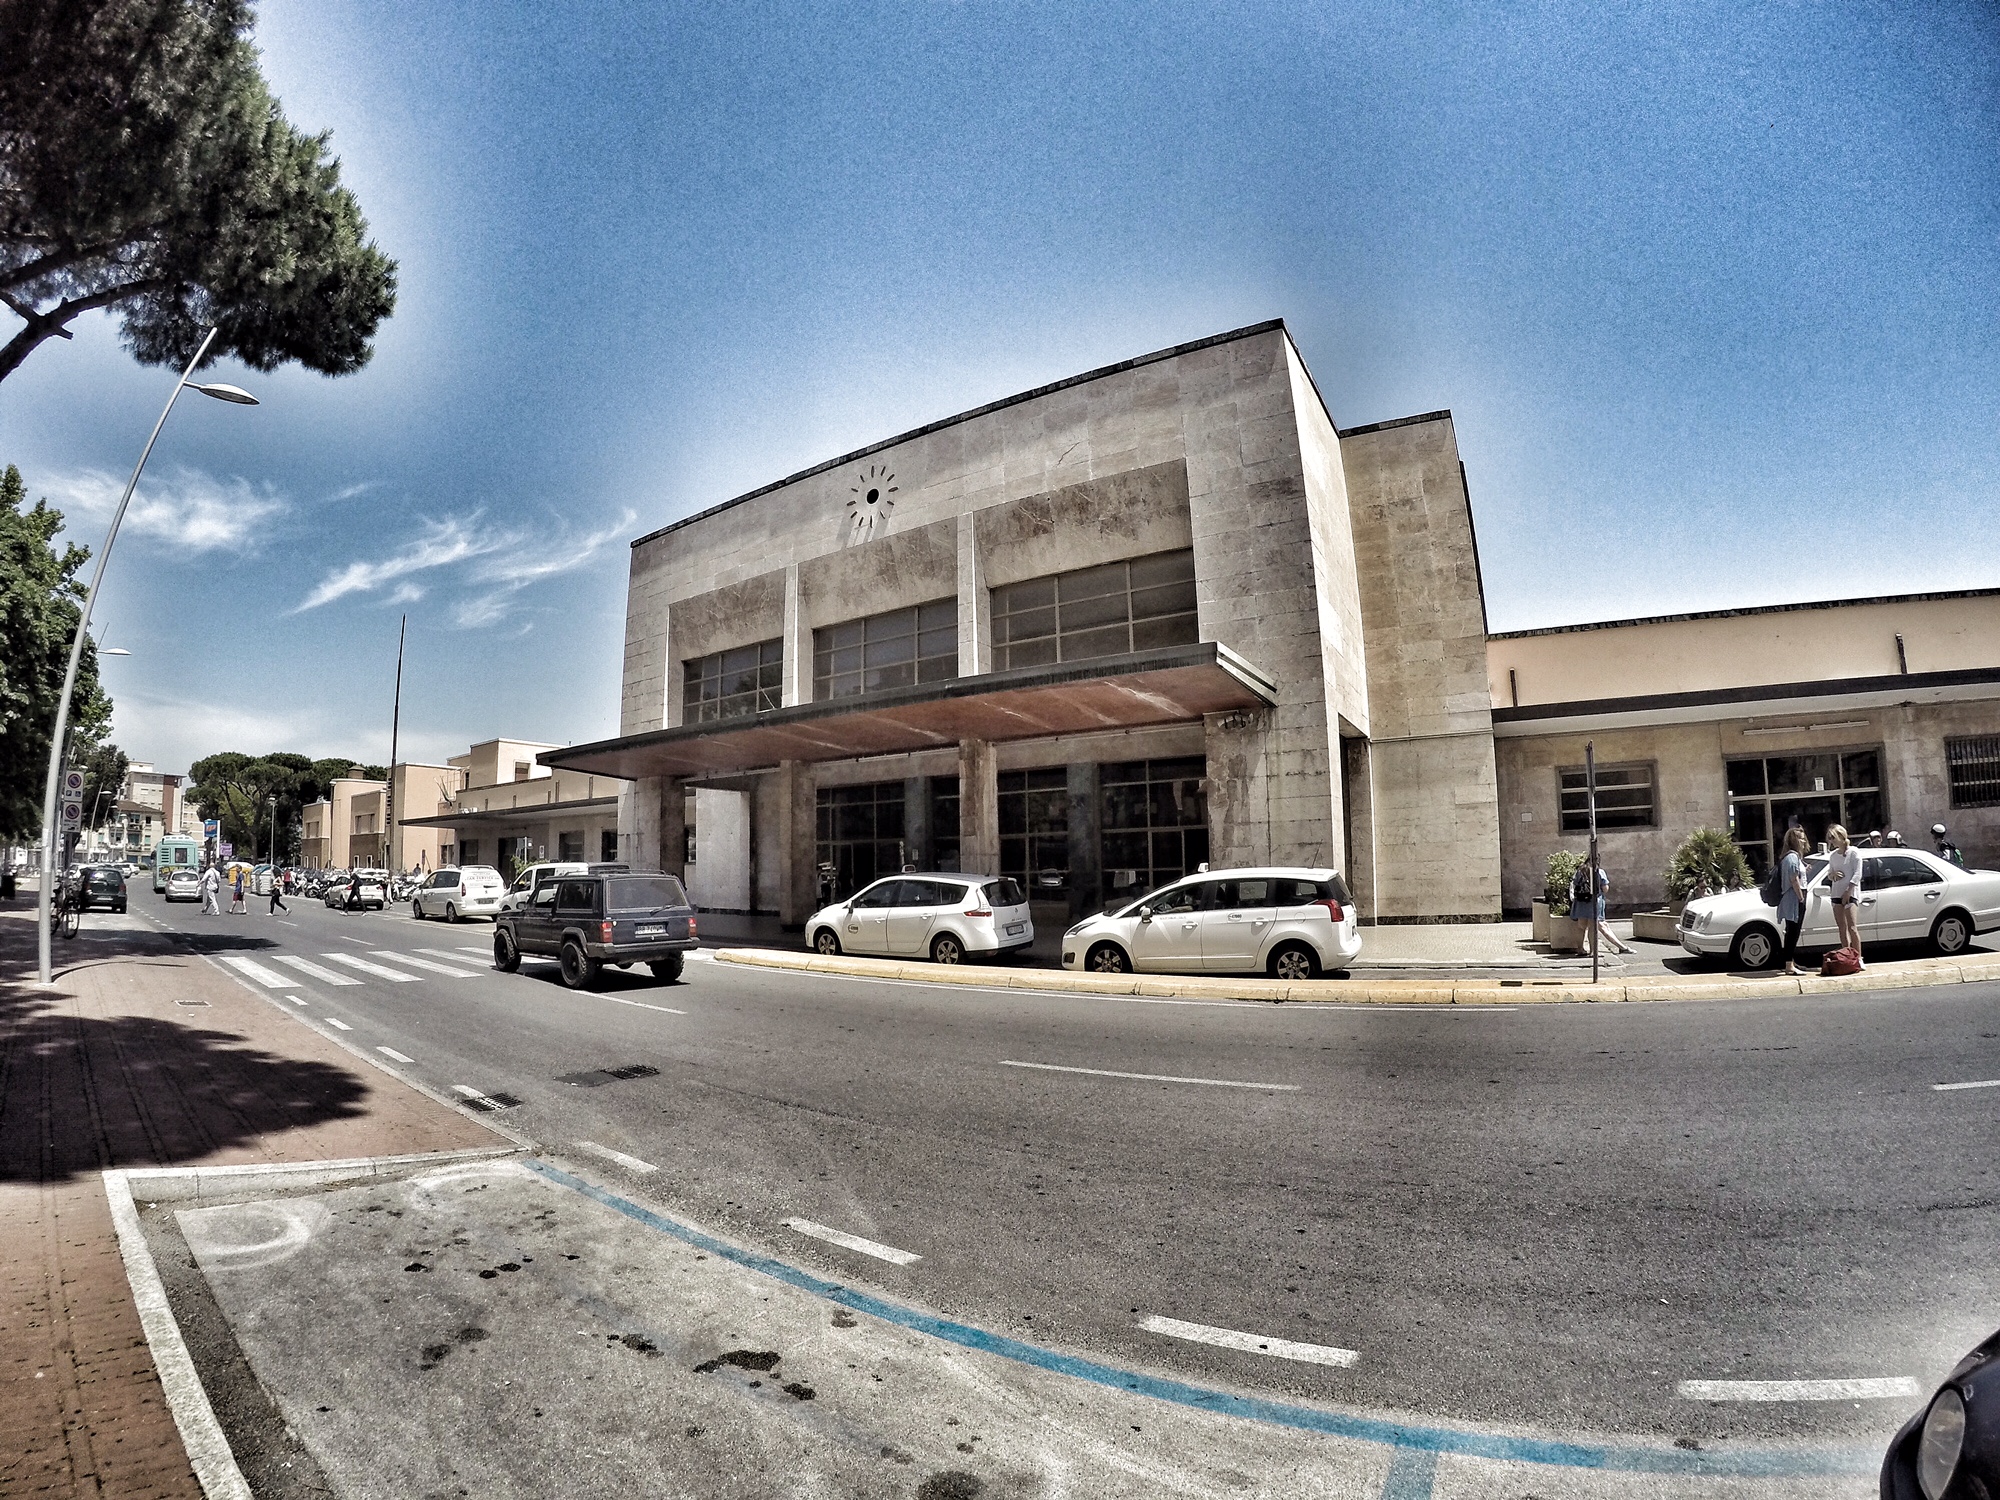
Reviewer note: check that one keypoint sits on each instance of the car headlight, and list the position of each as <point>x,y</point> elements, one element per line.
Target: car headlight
<point>1701,920</point>
<point>1939,1444</point>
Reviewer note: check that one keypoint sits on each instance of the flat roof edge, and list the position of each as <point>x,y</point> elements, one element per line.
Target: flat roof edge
<point>1747,609</point>
<point>1533,713</point>
<point>1250,330</point>
<point>1443,415</point>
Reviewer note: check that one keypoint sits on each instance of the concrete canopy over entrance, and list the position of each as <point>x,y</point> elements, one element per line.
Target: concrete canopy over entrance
<point>1171,685</point>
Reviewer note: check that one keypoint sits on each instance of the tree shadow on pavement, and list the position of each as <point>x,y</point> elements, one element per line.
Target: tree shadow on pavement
<point>82,1093</point>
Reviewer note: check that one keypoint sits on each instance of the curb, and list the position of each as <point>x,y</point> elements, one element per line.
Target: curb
<point>1918,973</point>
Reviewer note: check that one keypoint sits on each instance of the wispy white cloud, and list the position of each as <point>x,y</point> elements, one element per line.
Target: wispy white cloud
<point>187,509</point>
<point>442,544</point>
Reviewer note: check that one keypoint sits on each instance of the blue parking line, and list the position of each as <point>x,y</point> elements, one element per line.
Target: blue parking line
<point>1422,1442</point>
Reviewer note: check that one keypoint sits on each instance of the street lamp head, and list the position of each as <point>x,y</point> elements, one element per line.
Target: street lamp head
<point>222,392</point>
<point>112,651</point>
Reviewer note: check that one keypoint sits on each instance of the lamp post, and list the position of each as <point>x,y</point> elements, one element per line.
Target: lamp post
<point>271,853</point>
<point>220,392</point>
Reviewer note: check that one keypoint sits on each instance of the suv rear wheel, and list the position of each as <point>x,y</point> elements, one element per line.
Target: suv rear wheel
<point>506,957</point>
<point>450,912</point>
<point>946,949</point>
<point>1294,961</point>
<point>579,969</point>
<point>667,969</point>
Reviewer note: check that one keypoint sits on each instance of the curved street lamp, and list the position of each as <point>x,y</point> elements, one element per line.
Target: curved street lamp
<point>233,394</point>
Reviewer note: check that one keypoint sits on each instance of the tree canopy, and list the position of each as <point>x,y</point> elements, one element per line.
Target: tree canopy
<point>144,166</point>
<point>104,768</point>
<point>233,787</point>
<point>41,600</point>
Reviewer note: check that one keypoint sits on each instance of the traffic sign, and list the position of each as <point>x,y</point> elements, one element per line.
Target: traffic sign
<point>225,851</point>
<point>211,828</point>
<point>72,785</point>
<point>72,815</point>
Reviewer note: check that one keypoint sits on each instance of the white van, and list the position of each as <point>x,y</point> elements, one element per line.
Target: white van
<point>946,917</point>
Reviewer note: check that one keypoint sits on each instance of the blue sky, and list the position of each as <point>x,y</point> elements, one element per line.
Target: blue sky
<point>1712,291</point>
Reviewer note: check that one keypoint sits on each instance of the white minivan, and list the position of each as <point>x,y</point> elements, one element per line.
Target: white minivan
<point>1287,923</point>
<point>945,917</point>
<point>459,891</point>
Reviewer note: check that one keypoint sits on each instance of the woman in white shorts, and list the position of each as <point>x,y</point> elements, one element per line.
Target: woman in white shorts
<point>1843,886</point>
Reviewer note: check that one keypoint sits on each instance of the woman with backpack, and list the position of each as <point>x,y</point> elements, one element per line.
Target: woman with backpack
<point>1792,892</point>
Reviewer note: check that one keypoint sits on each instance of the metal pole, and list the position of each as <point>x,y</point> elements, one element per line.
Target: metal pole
<point>1590,797</point>
<point>395,726</point>
<point>75,656</point>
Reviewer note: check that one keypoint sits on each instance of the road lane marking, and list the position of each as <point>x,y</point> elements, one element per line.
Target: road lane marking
<point>482,952</point>
<point>853,1242</point>
<point>453,953</point>
<point>306,966</point>
<point>1984,1083</point>
<point>376,969</point>
<point>425,963</point>
<point>1254,1343</point>
<point>346,939</point>
<point>630,1163</point>
<point>621,1000</point>
<point>1896,1387</point>
<point>336,1021</point>
<point>295,999</point>
<point>391,1052</point>
<point>271,979</point>
<point>1219,1083</point>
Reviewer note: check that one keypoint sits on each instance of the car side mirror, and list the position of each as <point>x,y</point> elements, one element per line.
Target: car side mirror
<point>1145,914</point>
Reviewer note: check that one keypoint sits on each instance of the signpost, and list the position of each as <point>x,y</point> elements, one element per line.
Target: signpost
<point>1590,796</point>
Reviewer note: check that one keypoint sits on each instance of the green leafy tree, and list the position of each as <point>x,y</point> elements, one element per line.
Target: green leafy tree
<point>104,768</point>
<point>234,789</point>
<point>41,600</point>
<point>1707,862</point>
<point>144,166</point>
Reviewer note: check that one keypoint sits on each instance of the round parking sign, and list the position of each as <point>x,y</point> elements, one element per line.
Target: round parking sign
<point>72,783</point>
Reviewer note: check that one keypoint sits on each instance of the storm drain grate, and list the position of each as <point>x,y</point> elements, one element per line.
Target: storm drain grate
<point>487,1103</point>
<point>598,1077</point>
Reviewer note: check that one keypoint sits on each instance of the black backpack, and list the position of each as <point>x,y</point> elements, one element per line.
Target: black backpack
<point>1773,889</point>
<point>1580,893</point>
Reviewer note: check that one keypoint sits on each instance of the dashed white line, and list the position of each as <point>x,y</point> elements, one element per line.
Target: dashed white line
<point>322,974</point>
<point>1888,1388</point>
<point>1984,1083</point>
<point>1218,1083</point>
<point>346,939</point>
<point>621,1000</point>
<point>453,953</point>
<point>296,999</point>
<point>424,963</point>
<point>376,969</point>
<point>482,952</point>
<point>271,979</point>
<point>853,1242</point>
<point>630,1163</point>
<point>391,1052</point>
<point>1253,1343</point>
<point>336,1021</point>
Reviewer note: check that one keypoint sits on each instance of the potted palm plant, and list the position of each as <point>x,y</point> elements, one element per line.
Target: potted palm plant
<point>1706,864</point>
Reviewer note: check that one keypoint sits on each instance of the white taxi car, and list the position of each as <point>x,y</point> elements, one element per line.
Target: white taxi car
<point>1907,895</point>
<point>1288,923</point>
<point>459,891</point>
<point>947,917</point>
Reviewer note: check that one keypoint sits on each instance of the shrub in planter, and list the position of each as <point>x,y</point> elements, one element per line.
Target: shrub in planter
<point>1707,863</point>
<point>1563,866</point>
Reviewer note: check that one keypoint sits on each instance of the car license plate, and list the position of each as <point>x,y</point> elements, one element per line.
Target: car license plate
<point>1015,929</point>
<point>652,930</point>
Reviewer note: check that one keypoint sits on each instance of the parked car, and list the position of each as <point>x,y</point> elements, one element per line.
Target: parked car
<point>947,917</point>
<point>531,878</point>
<point>1951,1449</point>
<point>455,892</point>
<point>361,890</point>
<point>589,920</point>
<point>99,885</point>
<point>1288,923</point>
<point>183,884</point>
<point>1907,895</point>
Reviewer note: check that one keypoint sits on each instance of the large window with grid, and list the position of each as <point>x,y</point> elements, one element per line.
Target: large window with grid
<point>1624,797</point>
<point>860,832</point>
<point>1154,822</point>
<point>1103,611</point>
<point>729,684</point>
<point>1815,790</point>
<point>897,649</point>
<point>1034,830</point>
<point>944,822</point>
<point>1972,763</point>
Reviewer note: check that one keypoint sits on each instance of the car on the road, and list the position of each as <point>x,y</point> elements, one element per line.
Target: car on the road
<point>531,878</point>
<point>359,890</point>
<point>1951,1449</point>
<point>586,921</point>
<point>183,884</point>
<point>1907,895</point>
<point>1288,923</point>
<point>459,891</point>
<point>946,917</point>
<point>99,885</point>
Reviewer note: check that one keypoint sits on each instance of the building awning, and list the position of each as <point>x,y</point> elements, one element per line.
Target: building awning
<point>1171,685</point>
<point>513,817</point>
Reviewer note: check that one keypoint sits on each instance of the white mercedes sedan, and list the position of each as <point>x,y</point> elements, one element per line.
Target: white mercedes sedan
<point>1906,895</point>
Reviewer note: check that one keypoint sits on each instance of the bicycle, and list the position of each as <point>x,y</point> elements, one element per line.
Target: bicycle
<point>68,912</point>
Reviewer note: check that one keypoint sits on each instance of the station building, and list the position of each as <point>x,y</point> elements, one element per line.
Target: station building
<point>1166,613</point>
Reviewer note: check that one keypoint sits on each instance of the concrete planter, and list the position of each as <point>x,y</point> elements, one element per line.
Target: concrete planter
<point>1662,926</point>
<point>1565,936</point>
<point>1539,910</point>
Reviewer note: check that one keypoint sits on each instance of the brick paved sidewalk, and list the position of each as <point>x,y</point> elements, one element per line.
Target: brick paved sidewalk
<point>141,1054</point>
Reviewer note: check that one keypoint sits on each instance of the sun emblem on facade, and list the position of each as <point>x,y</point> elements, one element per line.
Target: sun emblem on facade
<point>874,496</point>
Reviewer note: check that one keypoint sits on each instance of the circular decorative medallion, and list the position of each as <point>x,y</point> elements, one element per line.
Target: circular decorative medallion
<point>874,496</point>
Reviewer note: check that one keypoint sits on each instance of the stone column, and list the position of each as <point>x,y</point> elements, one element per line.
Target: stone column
<point>798,888</point>
<point>1086,842</point>
<point>673,826</point>
<point>974,613</point>
<point>639,823</point>
<point>797,677</point>
<point>978,808</point>
<point>1358,785</point>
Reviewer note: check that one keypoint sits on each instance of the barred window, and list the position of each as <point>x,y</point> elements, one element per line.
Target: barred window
<point>1104,611</point>
<point>897,649</point>
<point>1973,765</point>
<point>1624,797</point>
<point>728,684</point>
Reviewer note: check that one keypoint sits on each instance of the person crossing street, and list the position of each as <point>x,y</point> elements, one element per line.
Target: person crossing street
<point>277,895</point>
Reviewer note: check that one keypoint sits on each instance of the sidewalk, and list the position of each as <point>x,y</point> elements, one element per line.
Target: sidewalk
<point>140,1054</point>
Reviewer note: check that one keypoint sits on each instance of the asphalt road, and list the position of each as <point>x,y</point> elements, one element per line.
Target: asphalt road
<point>1550,1215</point>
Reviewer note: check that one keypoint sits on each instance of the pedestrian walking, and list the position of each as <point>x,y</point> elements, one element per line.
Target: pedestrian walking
<point>236,903</point>
<point>277,896</point>
<point>1843,885</point>
<point>211,892</point>
<point>1792,888</point>
<point>1603,903</point>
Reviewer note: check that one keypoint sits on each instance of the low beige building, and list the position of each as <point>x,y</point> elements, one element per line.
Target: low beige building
<point>509,810</point>
<point>332,824</point>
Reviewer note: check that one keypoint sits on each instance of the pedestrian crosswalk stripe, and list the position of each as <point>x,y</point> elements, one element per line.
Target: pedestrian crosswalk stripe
<point>271,979</point>
<point>425,963</point>
<point>482,952</point>
<point>305,966</point>
<point>376,969</point>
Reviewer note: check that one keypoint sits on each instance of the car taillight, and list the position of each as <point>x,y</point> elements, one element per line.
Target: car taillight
<point>605,929</point>
<point>979,911</point>
<point>1332,910</point>
<point>690,926</point>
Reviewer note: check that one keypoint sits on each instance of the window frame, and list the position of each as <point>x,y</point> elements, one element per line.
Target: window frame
<point>704,679</point>
<point>912,624</point>
<point>1582,814</point>
<point>1990,761</point>
<point>1022,601</point>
